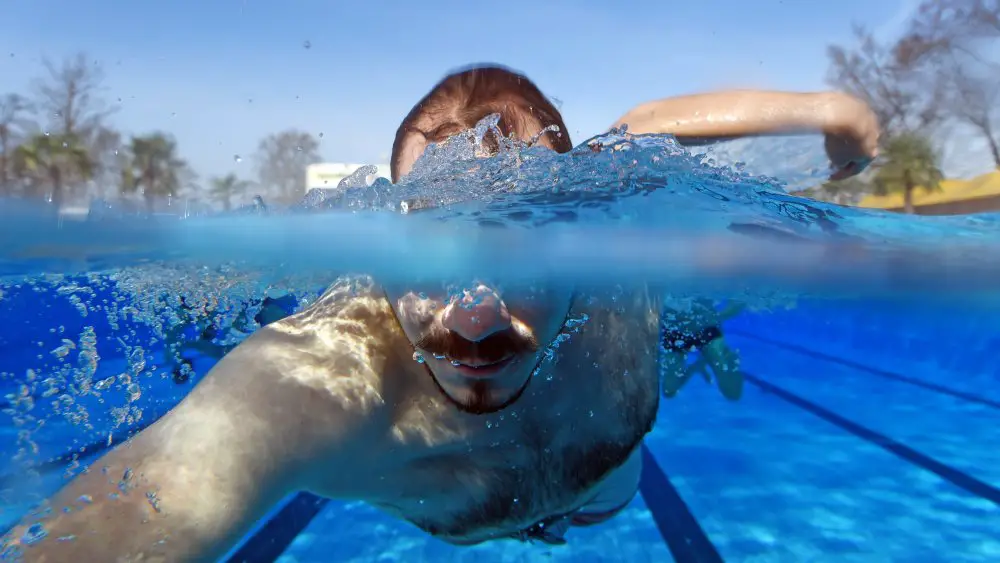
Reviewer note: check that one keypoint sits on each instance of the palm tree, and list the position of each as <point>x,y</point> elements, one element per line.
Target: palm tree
<point>154,169</point>
<point>223,189</point>
<point>55,159</point>
<point>13,122</point>
<point>910,161</point>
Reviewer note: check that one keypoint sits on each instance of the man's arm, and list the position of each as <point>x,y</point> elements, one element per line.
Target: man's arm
<point>188,487</point>
<point>741,113</point>
<point>850,126</point>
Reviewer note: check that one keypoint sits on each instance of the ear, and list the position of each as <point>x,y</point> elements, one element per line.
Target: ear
<point>414,145</point>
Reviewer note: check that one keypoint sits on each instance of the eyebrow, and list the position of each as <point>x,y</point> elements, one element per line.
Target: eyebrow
<point>443,131</point>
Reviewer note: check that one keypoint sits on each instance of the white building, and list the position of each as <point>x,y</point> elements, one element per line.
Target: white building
<point>329,174</point>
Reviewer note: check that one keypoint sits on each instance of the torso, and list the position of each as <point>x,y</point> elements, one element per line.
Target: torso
<point>560,448</point>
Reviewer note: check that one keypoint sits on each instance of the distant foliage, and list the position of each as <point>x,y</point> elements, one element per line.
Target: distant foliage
<point>843,192</point>
<point>281,161</point>
<point>943,70</point>
<point>224,189</point>
<point>153,169</point>
<point>15,122</point>
<point>47,164</point>
<point>910,162</point>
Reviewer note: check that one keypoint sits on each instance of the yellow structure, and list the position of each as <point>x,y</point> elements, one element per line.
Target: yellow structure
<point>977,195</point>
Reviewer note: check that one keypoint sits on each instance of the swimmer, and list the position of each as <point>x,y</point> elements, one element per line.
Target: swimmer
<point>850,128</point>
<point>699,330</point>
<point>271,310</point>
<point>446,407</point>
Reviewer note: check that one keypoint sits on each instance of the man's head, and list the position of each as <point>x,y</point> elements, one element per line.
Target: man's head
<point>480,343</point>
<point>462,99</point>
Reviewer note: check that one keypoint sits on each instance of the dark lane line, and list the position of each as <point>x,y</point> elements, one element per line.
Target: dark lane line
<point>965,396</point>
<point>273,538</point>
<point>685,537</point>
<point>948,473</point>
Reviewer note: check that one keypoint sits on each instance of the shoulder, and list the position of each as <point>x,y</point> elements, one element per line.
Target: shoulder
<point>336,349</point>
<point>307,386</point>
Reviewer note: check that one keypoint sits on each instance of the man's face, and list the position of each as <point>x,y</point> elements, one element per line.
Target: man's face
<point>480,342</point>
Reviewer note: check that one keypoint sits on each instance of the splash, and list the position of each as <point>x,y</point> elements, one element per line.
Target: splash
<point>618,205</point>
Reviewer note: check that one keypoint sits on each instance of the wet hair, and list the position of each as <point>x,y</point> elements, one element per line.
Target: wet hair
<point>465,97</point>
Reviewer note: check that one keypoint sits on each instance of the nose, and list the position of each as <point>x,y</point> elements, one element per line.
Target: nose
<point>477,314</point>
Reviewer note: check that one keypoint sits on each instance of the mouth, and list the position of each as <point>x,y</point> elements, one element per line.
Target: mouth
<point>475,367</point>
<point>477,359</point>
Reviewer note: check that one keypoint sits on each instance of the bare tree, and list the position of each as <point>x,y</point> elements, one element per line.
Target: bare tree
<point>977,104</point>
<point>71,102</point>
<point>110,158</point>
<point>872,72</point>
<point>962,27</point>
<point>71,97</point>
<point>952,44</point>
<point>282,159</point>
<point>14,122</point>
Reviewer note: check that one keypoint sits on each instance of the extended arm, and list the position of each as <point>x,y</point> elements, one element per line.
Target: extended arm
<point>851,128</point>
<point>740,113</point>
<point>188,487</point>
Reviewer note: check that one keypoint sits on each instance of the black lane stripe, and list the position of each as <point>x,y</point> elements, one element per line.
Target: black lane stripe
<point>685,538</point>
<point>62,461</point>
<point>965,396</point>
<point>954,476</point>
<point>80,454</point>
<point>272,539</point>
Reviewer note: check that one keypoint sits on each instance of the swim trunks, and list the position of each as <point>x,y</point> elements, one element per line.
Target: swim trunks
<point>552,530</point>
<point>679,340</point>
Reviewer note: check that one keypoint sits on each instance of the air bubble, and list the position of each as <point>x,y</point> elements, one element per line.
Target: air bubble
<point>34,534</point>
<point>153,500</point>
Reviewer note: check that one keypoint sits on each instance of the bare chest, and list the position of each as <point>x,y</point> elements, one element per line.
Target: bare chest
<point>473,478</point>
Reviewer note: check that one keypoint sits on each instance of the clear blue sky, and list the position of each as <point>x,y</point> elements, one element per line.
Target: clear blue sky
<point>220,74</point>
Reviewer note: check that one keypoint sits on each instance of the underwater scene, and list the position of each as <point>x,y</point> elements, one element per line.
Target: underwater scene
<point>473,282</point>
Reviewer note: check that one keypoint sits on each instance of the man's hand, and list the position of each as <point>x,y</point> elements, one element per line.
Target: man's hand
<point>852,134</point>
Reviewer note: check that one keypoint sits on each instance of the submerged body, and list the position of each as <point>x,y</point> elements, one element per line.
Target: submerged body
<point>468,477</point>
<point>699,329</point>
<point>331,400</point>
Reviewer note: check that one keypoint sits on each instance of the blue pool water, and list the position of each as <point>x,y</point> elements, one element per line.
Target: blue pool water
<point>868,431</point>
